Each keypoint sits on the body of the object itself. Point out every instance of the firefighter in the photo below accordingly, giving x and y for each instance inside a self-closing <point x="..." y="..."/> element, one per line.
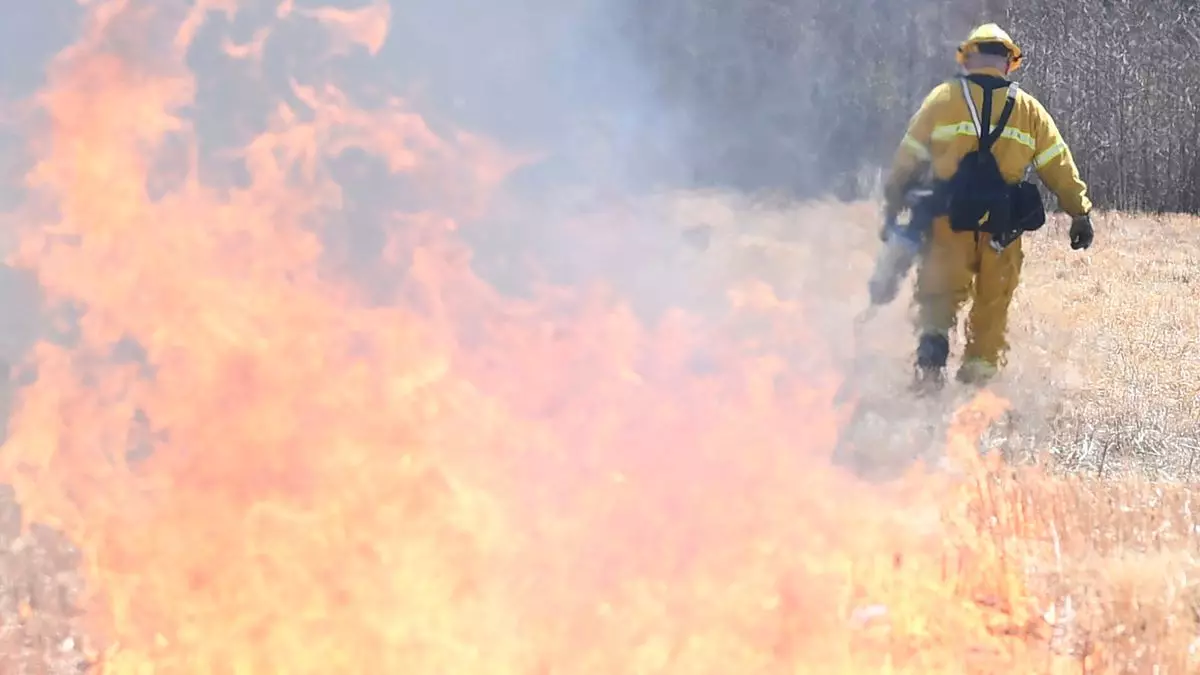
<point x="980" y="260"/>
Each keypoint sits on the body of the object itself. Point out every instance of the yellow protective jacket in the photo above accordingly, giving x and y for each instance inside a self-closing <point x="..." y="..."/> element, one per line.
<point x="941" y="132"/>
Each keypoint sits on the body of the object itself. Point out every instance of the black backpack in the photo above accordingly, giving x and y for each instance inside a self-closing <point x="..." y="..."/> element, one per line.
<point x="979" y="199"/>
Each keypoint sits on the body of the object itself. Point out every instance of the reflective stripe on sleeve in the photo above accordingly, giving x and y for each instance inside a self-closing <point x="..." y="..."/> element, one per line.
<point x="1049" y="154"/>
<point x="913" y="144"/>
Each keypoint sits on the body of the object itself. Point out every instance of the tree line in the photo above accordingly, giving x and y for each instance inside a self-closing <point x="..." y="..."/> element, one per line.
<point x="812" y="96"/>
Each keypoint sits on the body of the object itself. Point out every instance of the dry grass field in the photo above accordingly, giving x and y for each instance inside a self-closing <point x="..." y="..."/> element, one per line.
<point x="1085" y="538"/>
<point x="1103" y="370"/>
<point x="1098" y="424"/>
<point x="1083" y="541"/>
<point x="1104" y="422"/>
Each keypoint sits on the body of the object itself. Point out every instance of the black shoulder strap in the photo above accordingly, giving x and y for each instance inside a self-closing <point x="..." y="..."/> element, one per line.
<point x="988" y="84"/>
<point x="1006" y="113"/>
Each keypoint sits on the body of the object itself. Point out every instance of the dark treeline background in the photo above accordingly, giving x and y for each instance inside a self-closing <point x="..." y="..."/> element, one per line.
<point x="811" y="96"/>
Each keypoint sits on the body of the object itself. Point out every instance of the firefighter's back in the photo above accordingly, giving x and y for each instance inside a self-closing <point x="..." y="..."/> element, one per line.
<point x="954" y="132"/>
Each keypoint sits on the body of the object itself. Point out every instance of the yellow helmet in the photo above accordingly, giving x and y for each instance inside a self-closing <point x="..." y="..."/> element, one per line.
<point x="990" y="33"/>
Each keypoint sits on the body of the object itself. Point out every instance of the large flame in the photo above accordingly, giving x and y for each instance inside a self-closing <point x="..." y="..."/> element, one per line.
<point x="269" y="469"/>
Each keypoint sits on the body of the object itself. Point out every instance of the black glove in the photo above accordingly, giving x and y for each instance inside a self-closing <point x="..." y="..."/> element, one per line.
<point x="1081" y="232"/>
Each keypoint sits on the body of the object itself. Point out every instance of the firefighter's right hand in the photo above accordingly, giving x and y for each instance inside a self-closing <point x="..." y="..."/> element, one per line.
<point x="1081" y="232"/>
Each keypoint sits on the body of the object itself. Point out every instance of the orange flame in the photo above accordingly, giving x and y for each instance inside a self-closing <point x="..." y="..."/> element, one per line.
<point x="452" y="481"/>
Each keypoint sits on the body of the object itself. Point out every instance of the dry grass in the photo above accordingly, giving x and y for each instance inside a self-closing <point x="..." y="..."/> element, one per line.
<point x="1113" y="335"/>
<point x="1104" y="370"/>
<point x="1103" y="382"/>
<point x="39" y="582"/>
<point x="1111" y="564"/>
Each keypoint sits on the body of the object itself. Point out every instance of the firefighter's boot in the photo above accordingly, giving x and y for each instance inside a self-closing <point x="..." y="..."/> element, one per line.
<point x="977" y="372"/>
<point x="933" y="350"/>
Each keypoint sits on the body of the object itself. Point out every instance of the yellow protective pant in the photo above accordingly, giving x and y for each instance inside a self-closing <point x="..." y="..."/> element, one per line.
<point x="957" y="266"/>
